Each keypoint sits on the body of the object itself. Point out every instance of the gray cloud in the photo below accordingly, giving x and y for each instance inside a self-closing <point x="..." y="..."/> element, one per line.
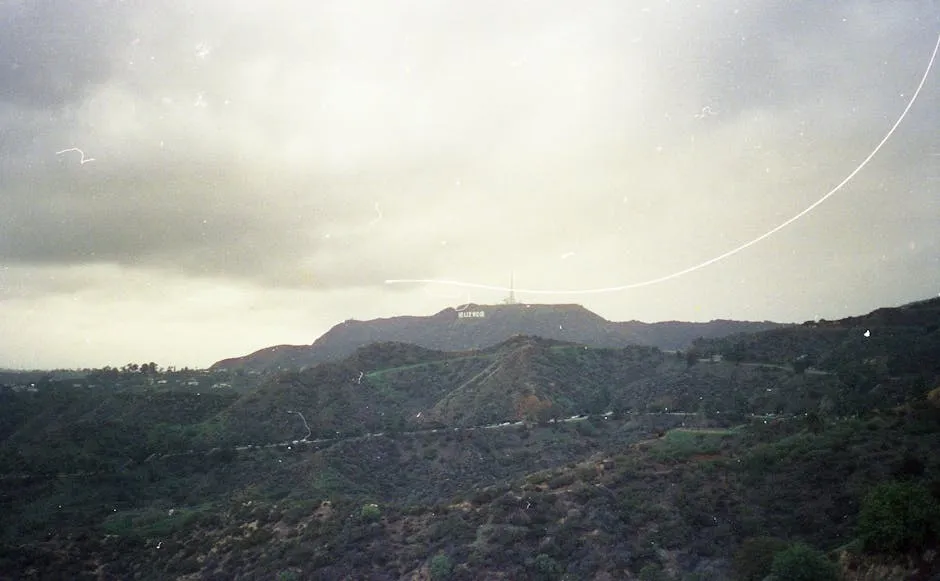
<point x="330" y="146"/>
<point x="204" y="220"/>
<point x="55" y="52"/>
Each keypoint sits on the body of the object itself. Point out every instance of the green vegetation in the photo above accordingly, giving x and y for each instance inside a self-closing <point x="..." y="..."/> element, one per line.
<point x="440" y="568"/>
<point x="898" y="517"/>
<point x="545" y="568"/>
<point x="699" y="472"/>
<point x="799" y="562"/>
<point x="753" y="561"/>
<point x="155" y="522"/>
<point x="681" y="444"/>
<point x="370" y="512"/>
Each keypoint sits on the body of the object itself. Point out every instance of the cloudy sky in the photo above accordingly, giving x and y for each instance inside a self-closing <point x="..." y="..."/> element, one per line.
<point x="261" y="170"/>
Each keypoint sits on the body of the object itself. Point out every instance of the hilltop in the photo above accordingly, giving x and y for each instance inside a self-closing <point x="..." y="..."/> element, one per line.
<point x="478" y="326"/>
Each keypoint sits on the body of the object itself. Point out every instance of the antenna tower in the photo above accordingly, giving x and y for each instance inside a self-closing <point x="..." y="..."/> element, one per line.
<point x="511" y="299"/>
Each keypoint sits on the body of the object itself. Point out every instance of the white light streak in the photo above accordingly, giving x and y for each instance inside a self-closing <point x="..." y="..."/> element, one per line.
<point x="715" y="259"/>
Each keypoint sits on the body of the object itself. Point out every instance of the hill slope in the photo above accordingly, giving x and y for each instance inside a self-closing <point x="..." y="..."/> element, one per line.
<point x="887" y="342"/>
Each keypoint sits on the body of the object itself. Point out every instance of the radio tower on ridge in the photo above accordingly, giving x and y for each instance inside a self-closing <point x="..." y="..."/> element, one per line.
<point x="511" y="299"/>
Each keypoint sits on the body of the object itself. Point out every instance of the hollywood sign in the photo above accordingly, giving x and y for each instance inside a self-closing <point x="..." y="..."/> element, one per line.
<point x="471" y="314"/>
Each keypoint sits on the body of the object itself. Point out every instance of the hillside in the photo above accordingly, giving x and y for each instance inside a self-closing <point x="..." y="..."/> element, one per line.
<point x="533" y="458"/>
<point x="608" y="499"/>
<point x="384" y="388"/>
<point x="886" y="342"/>
<point x="396" y="387"/>
<point x="479" y="326"/>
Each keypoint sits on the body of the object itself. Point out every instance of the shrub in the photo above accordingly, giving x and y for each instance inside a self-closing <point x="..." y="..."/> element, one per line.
<point x="799" y="562"/>
<point x="546" y="568"/>
<point x="586" y="428"/>
<point x="561" y="480"/>
<point x="440" y="568"/>
<point x="898" y="516"/>
<point x="370" y="513"/>
<point x="753" y="560"/>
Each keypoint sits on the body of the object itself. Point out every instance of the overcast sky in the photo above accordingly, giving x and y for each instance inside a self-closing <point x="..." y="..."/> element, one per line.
<point x="260" y="170"/>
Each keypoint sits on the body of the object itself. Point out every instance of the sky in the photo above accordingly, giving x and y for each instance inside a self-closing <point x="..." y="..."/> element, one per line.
<point x="184" y="181"/>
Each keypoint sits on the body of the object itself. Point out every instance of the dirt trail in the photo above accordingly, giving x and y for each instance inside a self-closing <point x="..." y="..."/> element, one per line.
<point x="491" y="369"/>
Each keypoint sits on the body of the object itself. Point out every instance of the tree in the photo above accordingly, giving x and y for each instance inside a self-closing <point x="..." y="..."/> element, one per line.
<point x="800" y="562"/>
<point x="546" y="568"/>
<point x="814" y="422"/>
<point x="801" y="364"/>
<point x="898" y="516"/>
<point x="754" y="558"/>
<point x="734" y="354"/>
<point x="370" y="513"/>
<point x="440" y="568"/>
<point x="600" y="400"/>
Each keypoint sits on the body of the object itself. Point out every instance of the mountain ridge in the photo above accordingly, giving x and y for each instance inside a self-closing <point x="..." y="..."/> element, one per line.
<point x="477" y="326"/>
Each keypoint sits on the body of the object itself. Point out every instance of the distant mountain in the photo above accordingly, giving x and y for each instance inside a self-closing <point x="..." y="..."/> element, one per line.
<point x="481" y="326"/>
